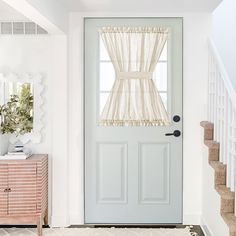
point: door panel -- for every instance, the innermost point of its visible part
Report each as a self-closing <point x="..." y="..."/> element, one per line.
<point x="132" y="174"/>
<point x="154" y="173"/>
<point x="22" y="181"/>
<point x="3" y="187"/>
<point x="111" y="173"/>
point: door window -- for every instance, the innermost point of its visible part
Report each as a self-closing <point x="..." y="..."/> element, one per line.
<point x="107" y="76"/>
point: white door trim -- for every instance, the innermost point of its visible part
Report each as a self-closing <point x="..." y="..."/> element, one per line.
<point x="75" y="173"/>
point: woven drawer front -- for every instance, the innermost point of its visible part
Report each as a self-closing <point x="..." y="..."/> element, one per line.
<point x="3" y="186"/>
<point x="22" y="197"/>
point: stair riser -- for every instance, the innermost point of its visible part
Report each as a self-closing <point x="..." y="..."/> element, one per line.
<point x="232" y="231"/>
<point x="227" y="206"/>
<point x="208" y="134"/>
<point x="213" y="154"/>
<point x="220" y="178"/>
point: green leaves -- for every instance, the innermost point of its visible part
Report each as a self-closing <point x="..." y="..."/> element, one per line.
<point x="17" y="114"/>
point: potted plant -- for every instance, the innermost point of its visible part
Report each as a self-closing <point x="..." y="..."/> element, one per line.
<point x="16" y="116"/>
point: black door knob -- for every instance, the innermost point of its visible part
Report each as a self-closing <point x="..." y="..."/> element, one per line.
<point x="176" y="133"/>
<point x="176" y="118"/>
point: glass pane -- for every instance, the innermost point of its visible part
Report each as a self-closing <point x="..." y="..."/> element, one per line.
<point x="107" y="76"/>
<point x="160" y="76"/>
<point x="103" y="100"/>
<point x="103" y="52"/>
<point x="164" y="99"/>
<point x="163" y="56"/>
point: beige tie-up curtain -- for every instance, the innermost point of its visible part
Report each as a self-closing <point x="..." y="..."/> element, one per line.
<point x="134" y="99"/>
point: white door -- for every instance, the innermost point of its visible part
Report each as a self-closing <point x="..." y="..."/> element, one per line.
<point x="133" y="174"/>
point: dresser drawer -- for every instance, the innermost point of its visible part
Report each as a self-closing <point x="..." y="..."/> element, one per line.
<point x="23" y="186"/>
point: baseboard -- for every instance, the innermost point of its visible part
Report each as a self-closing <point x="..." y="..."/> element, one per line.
<point x="59" y="221"/>
<point x="194" y="219"/>
<point x="206" y="230"/>
<point x="62" y="221"/>
<point x="76" y="220"/>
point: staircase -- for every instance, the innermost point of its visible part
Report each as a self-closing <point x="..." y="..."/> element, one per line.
<point x="227" y="208"/>
<point x="220" y="139"/>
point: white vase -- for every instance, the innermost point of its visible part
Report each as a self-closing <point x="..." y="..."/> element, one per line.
<point x="4" y="143"/>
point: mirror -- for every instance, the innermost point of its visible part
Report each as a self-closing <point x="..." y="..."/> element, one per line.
<point x="16" y="107"/>
<point x="20" y="107"/>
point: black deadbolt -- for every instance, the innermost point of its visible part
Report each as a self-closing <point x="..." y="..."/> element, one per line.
<point x="176" y="118"/>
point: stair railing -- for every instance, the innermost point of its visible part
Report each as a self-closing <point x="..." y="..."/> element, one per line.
<point x="222" y="112"/>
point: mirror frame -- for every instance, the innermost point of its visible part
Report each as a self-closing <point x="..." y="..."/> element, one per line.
<point x="38" y="87"/>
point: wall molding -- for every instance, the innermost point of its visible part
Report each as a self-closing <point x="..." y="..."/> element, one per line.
<point x="59" y="221"/>
<point x="192" y="219"/>
<point x="75" y="219"/>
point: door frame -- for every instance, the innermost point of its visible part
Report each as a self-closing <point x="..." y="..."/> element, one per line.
<point x="84" y="18"/>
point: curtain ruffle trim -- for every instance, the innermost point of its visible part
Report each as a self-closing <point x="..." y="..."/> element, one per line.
<point x="133" y="123"/>
<point x="133" y="30"/>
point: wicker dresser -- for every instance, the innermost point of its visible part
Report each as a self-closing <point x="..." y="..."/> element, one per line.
<point x="24" y="191"/>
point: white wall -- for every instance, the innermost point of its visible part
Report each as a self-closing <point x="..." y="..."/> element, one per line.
<point x="224" y="35"/>
<point x="46" y="55"/>
<point x="196" y="29"/>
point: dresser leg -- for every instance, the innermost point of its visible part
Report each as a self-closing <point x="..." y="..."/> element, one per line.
<point x="39" y="226"/>
<point x="46" y="217"/>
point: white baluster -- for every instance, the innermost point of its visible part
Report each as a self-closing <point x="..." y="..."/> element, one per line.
<point x="221" y="110"/>
<point x="209" y="88"/>
<point x="223" y="123"/>
<point x="215" y="103"/>
<point x="228" y="141"/>
<point x="233" y="150"/>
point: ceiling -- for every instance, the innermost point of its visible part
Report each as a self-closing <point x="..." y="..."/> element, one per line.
<point x="142" y="5"/>
<point x="120" y="6"/>
<point x="7" y="13"/>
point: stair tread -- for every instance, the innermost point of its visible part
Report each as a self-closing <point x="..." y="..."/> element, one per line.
<point x="212" y="144"/>
<point x="230" y="220"/>
<point x="207" y="125"/>
<point x="218" y="166"/>
<point x="224" y="192"/>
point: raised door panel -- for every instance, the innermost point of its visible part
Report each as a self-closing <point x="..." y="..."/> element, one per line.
<point x="111" y="168"/>
<point x="3" y="187"/>
<point x="154" y="166"/>
<point x="22" y="182"/>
